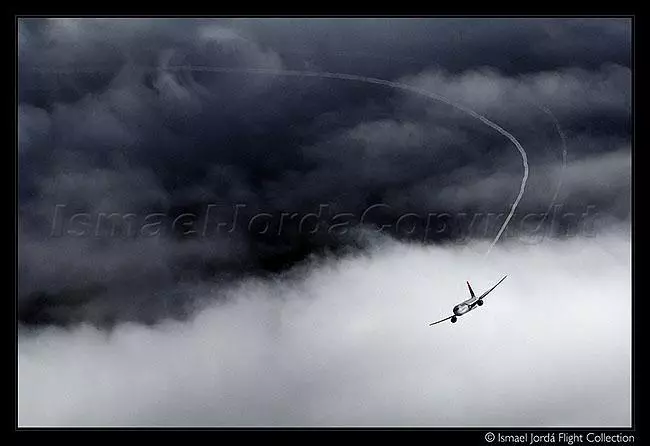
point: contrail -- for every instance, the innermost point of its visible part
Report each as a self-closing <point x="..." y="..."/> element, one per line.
<point x="376" y="81"/>
<point x="556" y="123"/>
<point x="392" y="84"/>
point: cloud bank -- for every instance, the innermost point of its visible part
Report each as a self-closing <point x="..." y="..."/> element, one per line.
<point x="347" y="342"/>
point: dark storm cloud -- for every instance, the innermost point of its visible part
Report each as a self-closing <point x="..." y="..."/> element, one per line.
<point x="106" y="127"/>
<point x="383" y="46"/>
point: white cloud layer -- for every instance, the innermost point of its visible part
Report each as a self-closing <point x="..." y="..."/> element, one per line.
<point x="347" y="342"/>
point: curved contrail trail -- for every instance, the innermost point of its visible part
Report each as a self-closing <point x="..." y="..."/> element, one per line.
<point x="556" y="123"/>
<point x="376" y="81"/>
<point x="392" y="84"/>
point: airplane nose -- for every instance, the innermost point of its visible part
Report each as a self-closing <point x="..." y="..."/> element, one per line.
<point x="460" y="309"/>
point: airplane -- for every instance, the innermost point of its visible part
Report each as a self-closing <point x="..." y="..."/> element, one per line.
<point x="469" y="304"/>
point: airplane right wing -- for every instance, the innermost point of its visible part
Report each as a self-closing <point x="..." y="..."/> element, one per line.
<point x="490" y="290"/>
<point x="441" y="320"/>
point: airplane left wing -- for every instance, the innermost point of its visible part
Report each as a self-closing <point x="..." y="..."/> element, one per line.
<point x="490" y="290"/>
<point x="441" y="320"/>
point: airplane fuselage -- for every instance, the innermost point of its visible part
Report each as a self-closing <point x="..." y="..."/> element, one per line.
<point x="461" y="309"/>
<point x="466" y="306"/>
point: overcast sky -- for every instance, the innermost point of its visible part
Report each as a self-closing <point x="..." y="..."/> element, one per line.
<point x="323" y="320"/>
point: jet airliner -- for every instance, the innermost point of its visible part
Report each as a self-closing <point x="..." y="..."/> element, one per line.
<point x="468" y="305"/>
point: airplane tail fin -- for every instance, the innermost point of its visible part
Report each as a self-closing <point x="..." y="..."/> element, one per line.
<point x="471" y="291"/>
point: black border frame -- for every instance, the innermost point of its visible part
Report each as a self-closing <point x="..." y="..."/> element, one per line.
<point x="470" y="435"/>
